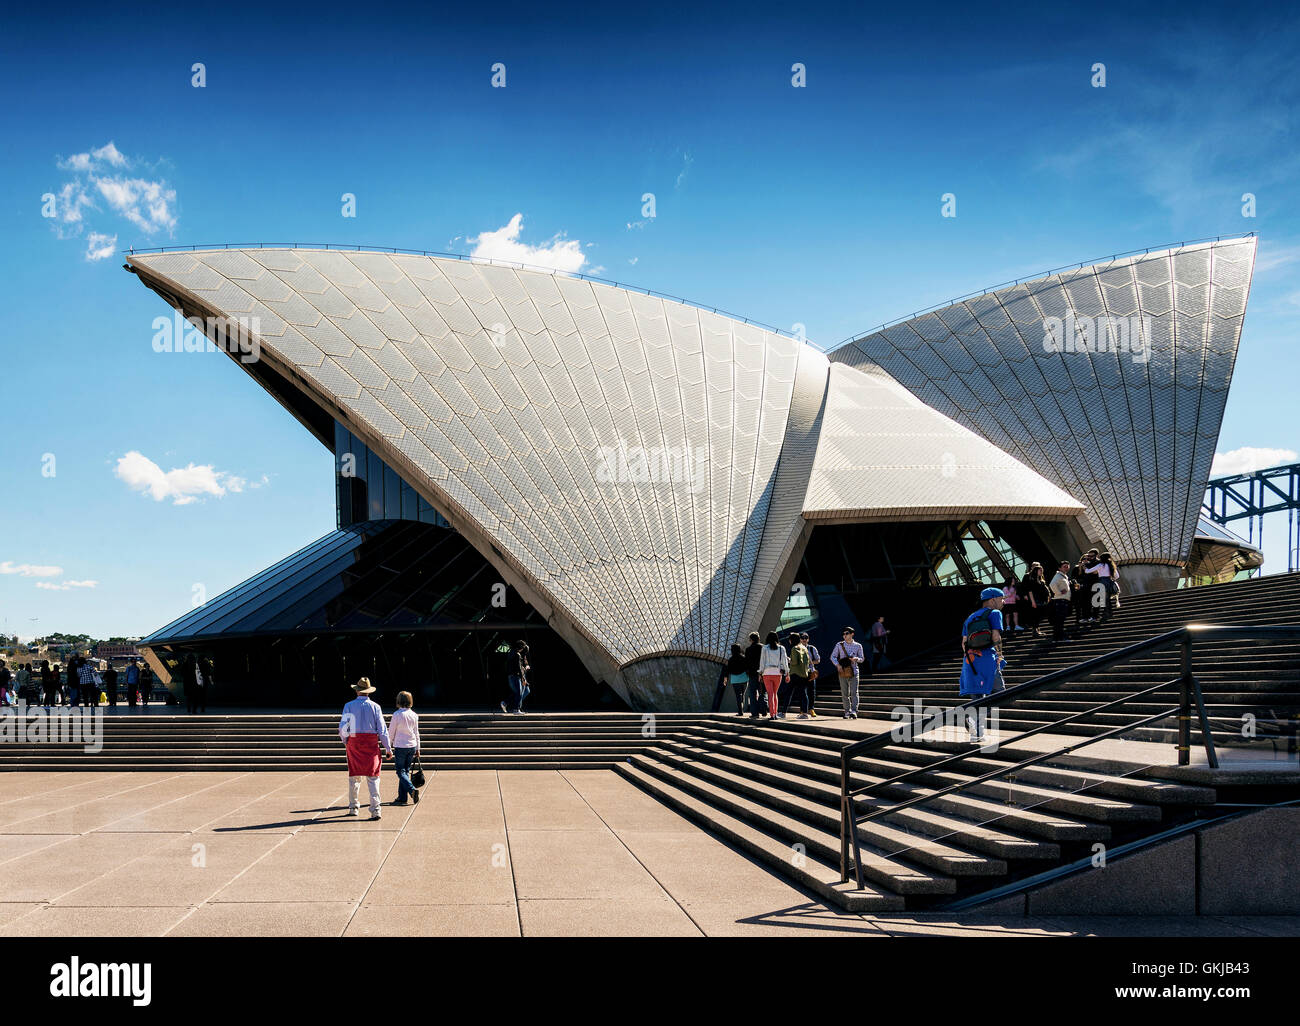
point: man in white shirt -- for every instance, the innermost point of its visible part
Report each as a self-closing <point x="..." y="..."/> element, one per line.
<point x="1059" y="604"/>
<point x="362" y="730"/>
<point x="847" y="657"/>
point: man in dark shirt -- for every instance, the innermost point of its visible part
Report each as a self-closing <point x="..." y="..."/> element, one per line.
<point x="757" y="693"/>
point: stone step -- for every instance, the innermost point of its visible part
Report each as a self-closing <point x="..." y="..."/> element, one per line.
<point x="893" y="875"/>
<point x="806" y="780"/>
<point x="970" y="808"/>
<point x="816" y="876"/>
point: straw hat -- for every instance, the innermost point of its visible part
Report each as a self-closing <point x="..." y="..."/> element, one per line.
<point x="363" y="686"/>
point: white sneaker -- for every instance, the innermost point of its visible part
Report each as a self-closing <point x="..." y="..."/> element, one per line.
<point x="352" y="811"/>
<point x="503" y="708"/>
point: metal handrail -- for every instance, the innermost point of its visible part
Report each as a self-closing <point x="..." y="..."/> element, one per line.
<point x="469" y="258"/>
<point x="1190" y="697"/>
<point x="1078" y="266"/>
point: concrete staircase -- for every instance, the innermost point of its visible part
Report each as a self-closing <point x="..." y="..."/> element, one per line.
<point x="1262" y="679"/>
<point x="773" y="791"/>
<point x="309" y="741"/>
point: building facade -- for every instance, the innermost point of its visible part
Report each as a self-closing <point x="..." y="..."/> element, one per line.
<point x="635" y="483"/>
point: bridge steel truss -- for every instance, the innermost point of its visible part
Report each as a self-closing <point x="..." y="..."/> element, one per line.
<point x="1253" y="496"/>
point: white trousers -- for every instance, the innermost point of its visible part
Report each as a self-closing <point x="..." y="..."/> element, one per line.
<point x="354" y="786"/>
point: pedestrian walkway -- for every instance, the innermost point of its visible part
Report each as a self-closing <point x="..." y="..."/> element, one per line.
<point x="486" y="853"/>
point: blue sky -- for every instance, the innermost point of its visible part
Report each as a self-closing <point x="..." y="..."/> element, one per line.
<point x="817" y="206"/>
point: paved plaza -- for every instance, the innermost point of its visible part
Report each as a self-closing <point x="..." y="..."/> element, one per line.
<point x="486" y="853"/>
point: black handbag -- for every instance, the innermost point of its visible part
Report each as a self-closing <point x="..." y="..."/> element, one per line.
<point x="417" y="773"/>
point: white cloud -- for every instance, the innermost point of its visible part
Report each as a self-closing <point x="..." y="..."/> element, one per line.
<point x="147" y="205"/>
<point x="687" y="161"/>
<point x="109" y="154"/>
<point x="65" y="585"/>
<point x="1248" y="459"/>
<point x="1270" y="257"/>
<point x="503" y="244"/>
<point x="99" y="246"/>
<point x="30" y="570"/>
<point x="182" y="485"/>
<point x="99" y="185"/>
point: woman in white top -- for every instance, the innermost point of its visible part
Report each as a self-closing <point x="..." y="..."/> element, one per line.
<point x="1108" y="573"/>
<point x="774" y="666"/>
<point x="404" y="736"/>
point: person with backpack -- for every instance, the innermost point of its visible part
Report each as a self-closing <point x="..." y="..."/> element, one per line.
<point x="847" y="657"/>
<point x="982" y="662"/>
<point x="737" y="675"/>
<point x="814" y="662"/>
<point x="799" y="669"/>
<point x="774" y="665"/>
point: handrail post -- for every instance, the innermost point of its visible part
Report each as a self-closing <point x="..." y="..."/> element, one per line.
<point x="1207" y="739"/>
<point x="845" y="806"/>
<point x="1185" y="702"/>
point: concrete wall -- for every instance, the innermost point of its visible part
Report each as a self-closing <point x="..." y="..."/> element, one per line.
<point x="1246" y="866"/>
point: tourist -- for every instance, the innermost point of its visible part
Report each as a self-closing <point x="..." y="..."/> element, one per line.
<point x="1090" y="586"/>
<point x="1108" y="575"/>
<point x="132" y="682"/>
<point x="110" y="685"/>
<point x="798" y="677"/>
<point x="362" y="730"/>
<point x="753" y="656"/>
<point x="1079" y="574"/>
<point x="87" y="683"/>
<point x="879" y="643"/>
<point x="404" y="733"/>
<point x="196" y="679"/>
<point x="72" y="690"/>
<point x="22" y="678"/>
<point x="814" y="662"/>
<point x="49" y="683"/>
<point x="6" y="681"/>
<point x="1009" y="613"/>
<point x="146" y="687"/>
<point x="847" y="657"/>
<point x="1059" y="604"/>
<point x="518" y="679"/>
<point x="982" y="662"/>
<point x="1034" y="587"/>
<point x="774" y="665"/>
<point x="738" y="677"/>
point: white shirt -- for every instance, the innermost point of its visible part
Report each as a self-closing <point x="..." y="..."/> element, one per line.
<point x="773" y="661"/>
<point x="1060" y="586"/>
<point x="404" y="729"/>
<point x="1102" y="569"/>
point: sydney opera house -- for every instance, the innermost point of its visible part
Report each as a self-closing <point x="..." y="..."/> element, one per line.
<point x="633" y="483"/>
